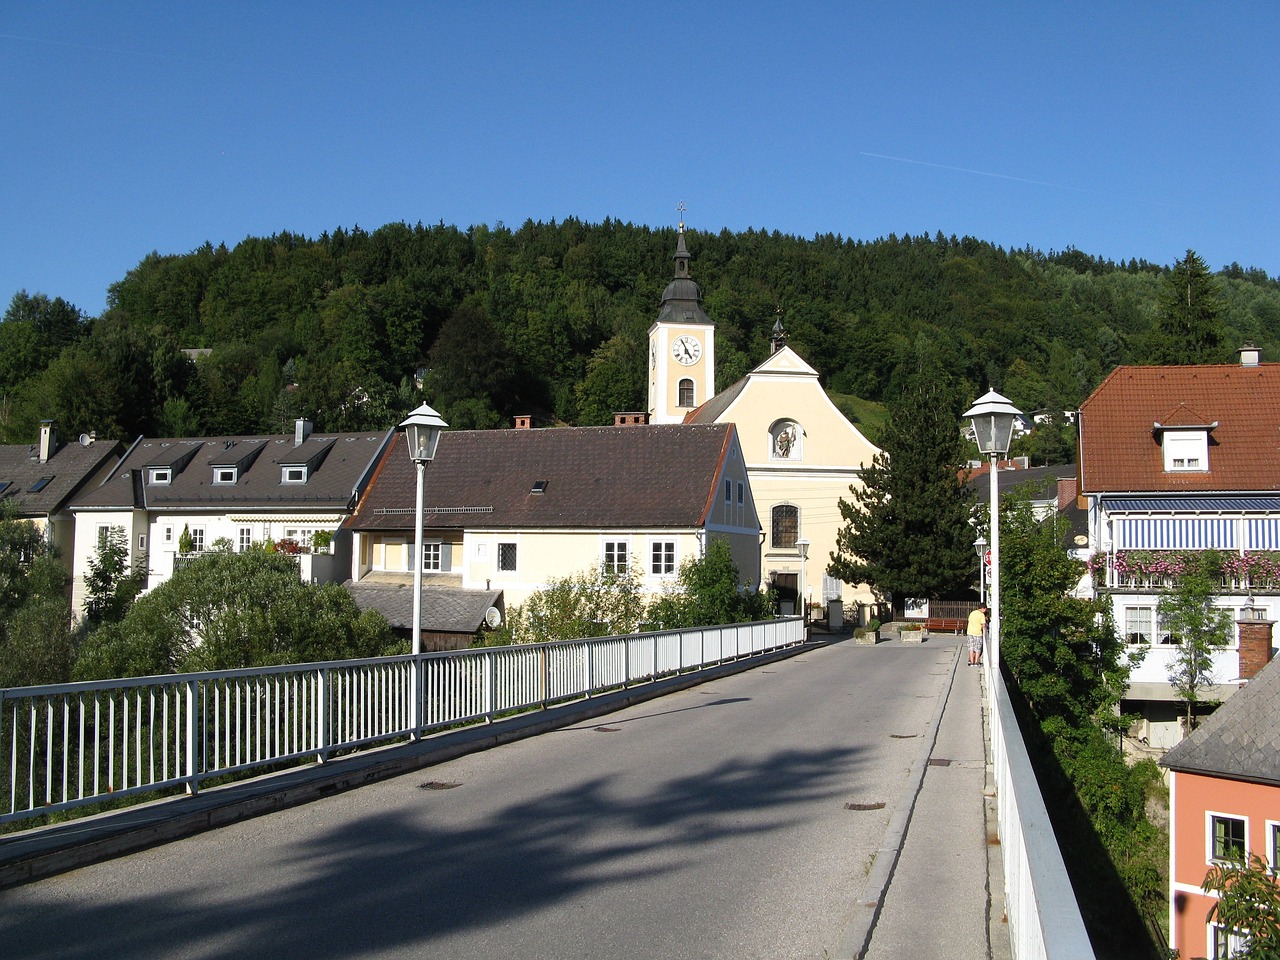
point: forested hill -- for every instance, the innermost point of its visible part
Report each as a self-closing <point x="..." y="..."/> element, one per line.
<point x="552" y="319"/>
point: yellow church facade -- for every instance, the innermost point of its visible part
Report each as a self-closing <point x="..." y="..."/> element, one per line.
<point x="802" y="454"/>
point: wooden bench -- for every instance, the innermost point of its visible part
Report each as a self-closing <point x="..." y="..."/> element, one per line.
<point x="944" y="625"/>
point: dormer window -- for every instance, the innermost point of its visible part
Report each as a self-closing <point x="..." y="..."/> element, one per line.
<point x="158" y="476"/>
<point x="293" y="474"/>
<point x="224" y="474"/>
<point x="1185" y="450"/>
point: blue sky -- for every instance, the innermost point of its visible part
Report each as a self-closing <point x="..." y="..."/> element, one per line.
<point x="1125" y="130"/>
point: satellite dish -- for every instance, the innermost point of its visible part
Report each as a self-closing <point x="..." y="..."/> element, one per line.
<point x="85" y="439"/>
<point x="493" y="618"/>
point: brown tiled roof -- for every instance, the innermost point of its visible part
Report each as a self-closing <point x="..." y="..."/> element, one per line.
<point x="336" y="463"/>
<point x="66" y="471"/>
<point x="1120" y="445"/>
<point x="1241" y="739"/>
<point x="598" y="477"/>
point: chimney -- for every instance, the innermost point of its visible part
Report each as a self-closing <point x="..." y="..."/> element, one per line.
<point x="1255" y="642"/>
<point x="48" y="440"/>
<point x="1067" y="491"/>
<point x="301" y="430"/>
<point x="630" y="419"/>
<point x="1250" y="355"/>
<point x="524" y="422"/>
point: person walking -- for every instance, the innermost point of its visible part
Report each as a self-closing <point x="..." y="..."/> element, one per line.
<point x="976" y="629"/>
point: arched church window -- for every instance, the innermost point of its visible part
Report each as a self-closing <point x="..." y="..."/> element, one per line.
<point x="785" y="438"/>
<point x="786" y="526"/>
<point x="686" y="393"/>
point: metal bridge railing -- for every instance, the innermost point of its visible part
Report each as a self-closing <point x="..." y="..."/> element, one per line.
<point x="1044" y="916"/>
<point x="70" y="745"/>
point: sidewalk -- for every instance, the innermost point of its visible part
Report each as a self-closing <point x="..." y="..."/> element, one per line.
<point x="945" y="896"/>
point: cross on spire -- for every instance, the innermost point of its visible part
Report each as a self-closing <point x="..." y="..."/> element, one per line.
<point x="680" y="208"/>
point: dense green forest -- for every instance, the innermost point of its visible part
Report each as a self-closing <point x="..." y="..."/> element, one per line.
<point x="552" y="319"/>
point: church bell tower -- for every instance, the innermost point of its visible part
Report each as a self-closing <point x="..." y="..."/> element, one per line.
<point x="681" y="347"/>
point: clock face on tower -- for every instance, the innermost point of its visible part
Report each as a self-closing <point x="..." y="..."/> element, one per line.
<point x="686" y="350"/>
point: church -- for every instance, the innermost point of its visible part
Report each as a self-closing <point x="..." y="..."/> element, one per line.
<point x="802" y="454"/>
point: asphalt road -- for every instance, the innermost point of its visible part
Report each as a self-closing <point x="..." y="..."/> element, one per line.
<point x="735" y="819"/>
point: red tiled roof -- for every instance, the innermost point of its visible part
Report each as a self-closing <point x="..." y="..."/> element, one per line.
<point x="600" y="477"/>
<point x="1120" y="445"/>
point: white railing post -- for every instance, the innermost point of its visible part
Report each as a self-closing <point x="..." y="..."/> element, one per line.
<point x="322" y="715"/>
<point x="416" y="691"/>
<point x="193" y="763"/>
<point x="489" y="680"/>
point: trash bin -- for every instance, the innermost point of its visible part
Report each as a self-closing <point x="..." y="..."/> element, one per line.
<point x="835" y="614"/>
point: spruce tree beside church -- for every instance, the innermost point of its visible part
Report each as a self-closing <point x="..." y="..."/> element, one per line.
<point x="907" y="532"/>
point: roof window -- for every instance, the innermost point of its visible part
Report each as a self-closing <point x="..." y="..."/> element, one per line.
<point x="40" y="484"/>
<point x="1185" y="451"/>
<point x="159" y="475"/>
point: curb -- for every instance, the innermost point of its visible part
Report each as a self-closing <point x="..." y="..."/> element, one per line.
<point x="857" y="933"/>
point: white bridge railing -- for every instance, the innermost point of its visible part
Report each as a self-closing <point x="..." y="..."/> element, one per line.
<point x="69" y="745"/>
<point x="1044" y="916"/>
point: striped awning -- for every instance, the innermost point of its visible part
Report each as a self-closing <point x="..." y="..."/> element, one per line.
<point x="1193" y="505"/>
<point x="1196" y="533"/>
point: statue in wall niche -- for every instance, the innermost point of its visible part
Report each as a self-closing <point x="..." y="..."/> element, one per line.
<point x="784" y="443"/>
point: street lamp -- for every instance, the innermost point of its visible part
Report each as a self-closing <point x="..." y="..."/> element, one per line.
<point x="980" y="548"/>
<point x="802" y="546"/>
<point x="993" y="416"/>
<point x="422" y="430"/>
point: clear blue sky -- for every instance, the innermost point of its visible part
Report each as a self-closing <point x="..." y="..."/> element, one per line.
<point x="1125" y="130"/>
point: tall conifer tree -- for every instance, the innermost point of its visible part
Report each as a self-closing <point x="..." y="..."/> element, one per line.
<point x="1189" y="330"/>
<point x="907" y="531"/>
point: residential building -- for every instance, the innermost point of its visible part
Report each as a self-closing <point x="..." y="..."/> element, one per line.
<point x="510" y="510"/>
<point x="802" y="454"/>
<point x="175" y="498"/>
<point x="39" y="480"/>
<point x="1224" y="797"/>
<point x="1176" y="460"/>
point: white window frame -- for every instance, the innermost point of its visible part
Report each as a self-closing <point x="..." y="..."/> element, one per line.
<point x="1210" y="849"/>
<point x="168" y="534"/>
<point x="293" y="474"/>
<point x="615" y="557"/>
<point x="244" y="538"/>
<point x="142" y="543"/>
<point x="1231" y="942"/>
<point x="159" y="476"/>
<point x="1135" y="609"/>
<point x="197" y="539"/>
<point x="1273" y="844"/>
<point x="1185" y="451"/>
<point x="104" y="531"/>
<point x="514" y="555"/>
<point x="662" y="558"/>
<point x="432" y="556"/>
<point x="224" y="474"/>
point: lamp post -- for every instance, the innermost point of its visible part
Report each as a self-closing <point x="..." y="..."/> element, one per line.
<point x="993" y="416"/>
<point x="980" y="548"/>
<point x="422" y="429"/>
<point x="802" y="546"/>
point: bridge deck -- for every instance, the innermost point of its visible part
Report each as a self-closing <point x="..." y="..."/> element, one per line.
<point x="757" y="815"/>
